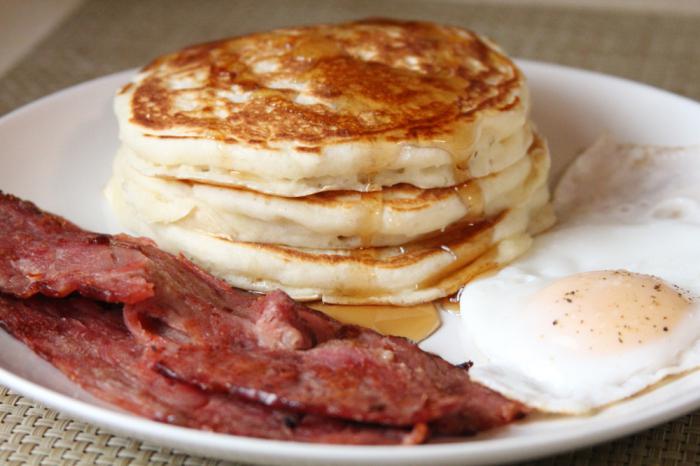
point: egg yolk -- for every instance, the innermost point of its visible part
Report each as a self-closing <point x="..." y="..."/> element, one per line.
<point x="609" y="310"/>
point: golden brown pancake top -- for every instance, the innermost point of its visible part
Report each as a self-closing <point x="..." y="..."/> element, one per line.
<point x="311" y="86"/>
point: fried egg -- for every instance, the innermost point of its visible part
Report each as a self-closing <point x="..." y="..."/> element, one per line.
<point x="606" y="303"/>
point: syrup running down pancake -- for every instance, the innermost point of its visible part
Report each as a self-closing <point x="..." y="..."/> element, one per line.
<point x="332" y="219"/>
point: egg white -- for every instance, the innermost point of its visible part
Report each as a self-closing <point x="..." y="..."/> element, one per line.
<point x="622" y="208"/>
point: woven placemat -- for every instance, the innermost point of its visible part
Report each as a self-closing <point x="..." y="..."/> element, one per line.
<point x="103" y="36"/>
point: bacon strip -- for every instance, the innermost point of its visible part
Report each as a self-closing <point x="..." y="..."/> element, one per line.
<point x="272" y="350"/>
<point x="43" y="253"/>
<point x="90" y="344"/>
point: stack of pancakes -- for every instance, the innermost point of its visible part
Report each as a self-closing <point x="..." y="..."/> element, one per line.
<point x="373" y="162"/>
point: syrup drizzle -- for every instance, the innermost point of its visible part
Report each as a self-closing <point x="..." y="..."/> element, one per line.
<point x="413" y="322"/>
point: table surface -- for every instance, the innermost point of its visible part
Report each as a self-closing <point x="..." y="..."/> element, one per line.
<point x="101" y="37"/>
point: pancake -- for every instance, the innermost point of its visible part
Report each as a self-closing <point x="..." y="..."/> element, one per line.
<point x="337" y="219"/>
<point x="354" y="106"/>
<point x="415" y="272"/>
<point x="371" y="162"/>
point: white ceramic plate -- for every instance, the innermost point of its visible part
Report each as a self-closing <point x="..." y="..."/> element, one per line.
<point x="57" y="152"/>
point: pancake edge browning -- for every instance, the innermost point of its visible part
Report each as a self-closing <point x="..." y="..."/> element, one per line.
<point x="411" y="105"/>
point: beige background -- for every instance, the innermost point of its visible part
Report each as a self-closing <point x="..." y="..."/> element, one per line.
<point x="23" y="23"/>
